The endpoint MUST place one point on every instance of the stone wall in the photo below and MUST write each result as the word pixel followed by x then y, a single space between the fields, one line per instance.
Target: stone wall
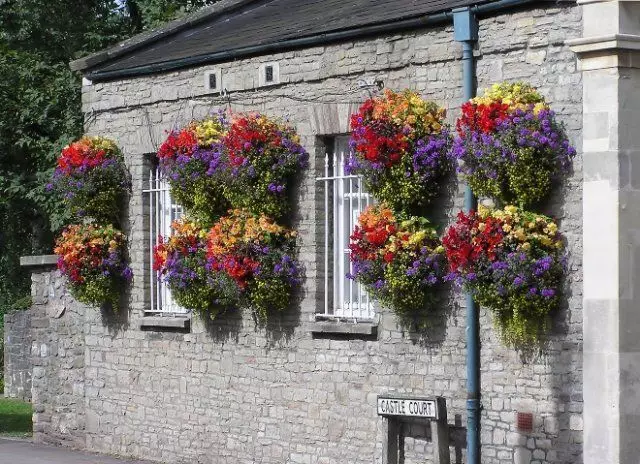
pixel 58 357
pixel 17 355
pixel 229 391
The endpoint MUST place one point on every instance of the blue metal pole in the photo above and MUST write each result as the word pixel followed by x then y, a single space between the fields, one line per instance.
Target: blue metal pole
pixel 466 32
pixel 473 342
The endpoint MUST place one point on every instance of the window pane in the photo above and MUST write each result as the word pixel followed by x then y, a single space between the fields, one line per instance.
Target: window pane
pixel 345 199
pixel 162 212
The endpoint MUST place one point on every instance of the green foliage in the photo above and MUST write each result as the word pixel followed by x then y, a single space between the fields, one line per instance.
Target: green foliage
pixel 203 198
pixel 520 321
pixel 406 193
pixel 205 299
pixel 98 291
pixel 147 14
pixel 40 109
pixel 15 416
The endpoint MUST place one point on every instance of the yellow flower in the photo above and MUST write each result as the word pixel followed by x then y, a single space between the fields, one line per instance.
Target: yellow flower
pixel 546 241
pixel 519 234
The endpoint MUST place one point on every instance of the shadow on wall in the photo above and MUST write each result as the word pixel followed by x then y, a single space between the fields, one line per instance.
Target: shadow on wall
pixel 224 328
pixel 116 319
pixel 430 330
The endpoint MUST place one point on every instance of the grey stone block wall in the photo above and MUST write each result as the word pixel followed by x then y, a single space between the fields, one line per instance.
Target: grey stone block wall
pixel 17 355
pixel 229 391
pixel 58 354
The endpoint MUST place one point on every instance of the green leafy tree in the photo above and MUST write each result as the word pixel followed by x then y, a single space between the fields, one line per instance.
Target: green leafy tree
pixel 146 14
pixel 40 110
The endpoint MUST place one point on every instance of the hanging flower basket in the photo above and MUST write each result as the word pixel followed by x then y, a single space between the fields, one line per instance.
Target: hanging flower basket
pixel 92 179
pixel 263 156
pixel 259 256
pixel 93 260
pixel 510 146
pixel 400 263
pixel 512 262
pixel 192 161
pixel 401 148
pixel 181 262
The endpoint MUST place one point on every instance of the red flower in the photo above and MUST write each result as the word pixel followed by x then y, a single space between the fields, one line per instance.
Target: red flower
pixel 251 132
pixel 481 117
pixel 471 239
pixel 80 154
pixel 239 268
pixel 178 143
pixel 378 140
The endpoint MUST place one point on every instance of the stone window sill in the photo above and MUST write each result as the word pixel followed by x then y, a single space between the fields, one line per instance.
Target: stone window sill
pixel 39 261
pixel 337 327
pixel 169 322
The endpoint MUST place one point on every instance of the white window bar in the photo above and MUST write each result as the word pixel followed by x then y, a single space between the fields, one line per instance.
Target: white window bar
pixel 162 212
pixel 344 200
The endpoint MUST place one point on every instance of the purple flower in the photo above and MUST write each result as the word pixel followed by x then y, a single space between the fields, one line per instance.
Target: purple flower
pixel 127 273
pixel 548 292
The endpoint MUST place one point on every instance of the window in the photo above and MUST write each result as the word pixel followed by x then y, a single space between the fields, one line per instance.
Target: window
pixel 344 199
pixel 162 212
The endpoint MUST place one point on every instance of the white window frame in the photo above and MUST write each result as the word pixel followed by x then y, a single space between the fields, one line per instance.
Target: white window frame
pixel 162 212
pixel 344 200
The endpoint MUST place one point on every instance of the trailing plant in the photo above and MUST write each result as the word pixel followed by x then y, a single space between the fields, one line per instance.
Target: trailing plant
pixel 401 148
pixel 399 262
pixel 192 161
pixel 512 262
pixel 181 262
pixel 259 255
pixel 92 257
pixel 263 156
pixel 510 146
pixel 92 178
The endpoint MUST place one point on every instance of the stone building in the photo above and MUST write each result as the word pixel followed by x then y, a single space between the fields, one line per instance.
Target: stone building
pixel 165 386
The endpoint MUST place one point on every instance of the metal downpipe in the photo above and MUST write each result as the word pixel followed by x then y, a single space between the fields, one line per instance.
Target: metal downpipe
pixel 466 32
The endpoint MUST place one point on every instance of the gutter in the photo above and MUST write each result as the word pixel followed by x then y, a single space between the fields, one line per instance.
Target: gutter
pixel 303 42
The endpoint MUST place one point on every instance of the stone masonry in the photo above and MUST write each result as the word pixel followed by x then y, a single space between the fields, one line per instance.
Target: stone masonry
pixel 17 352
pixel 229 391
pixel 609 57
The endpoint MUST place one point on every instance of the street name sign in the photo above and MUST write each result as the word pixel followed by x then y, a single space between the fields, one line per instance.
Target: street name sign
pixel 411 407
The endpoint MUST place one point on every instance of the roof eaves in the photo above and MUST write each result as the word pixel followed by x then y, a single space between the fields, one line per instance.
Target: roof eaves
pixel 304 41
pixel 145 38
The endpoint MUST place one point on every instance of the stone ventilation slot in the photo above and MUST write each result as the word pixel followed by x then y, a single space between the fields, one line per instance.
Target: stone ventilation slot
pixel 269 74
pixel 213 80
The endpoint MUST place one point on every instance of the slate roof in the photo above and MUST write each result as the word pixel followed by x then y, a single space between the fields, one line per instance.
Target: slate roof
pixel 246 25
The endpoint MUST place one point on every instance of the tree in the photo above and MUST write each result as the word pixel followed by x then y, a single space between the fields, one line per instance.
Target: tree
pixel 40 109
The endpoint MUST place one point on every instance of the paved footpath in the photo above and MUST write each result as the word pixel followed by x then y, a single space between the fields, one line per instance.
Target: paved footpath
pixel 25 452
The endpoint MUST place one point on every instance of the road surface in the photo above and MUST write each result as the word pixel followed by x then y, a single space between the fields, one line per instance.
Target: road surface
pixel 25 452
